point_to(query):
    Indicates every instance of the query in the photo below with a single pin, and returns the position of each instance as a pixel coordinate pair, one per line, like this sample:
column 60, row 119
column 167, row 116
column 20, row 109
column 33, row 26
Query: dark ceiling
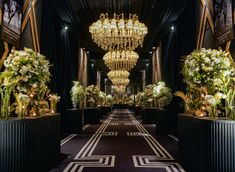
column 157, row 15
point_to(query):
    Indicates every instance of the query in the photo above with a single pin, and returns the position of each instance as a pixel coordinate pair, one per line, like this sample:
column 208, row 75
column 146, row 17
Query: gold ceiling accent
column 118, row 33
column 120, row 60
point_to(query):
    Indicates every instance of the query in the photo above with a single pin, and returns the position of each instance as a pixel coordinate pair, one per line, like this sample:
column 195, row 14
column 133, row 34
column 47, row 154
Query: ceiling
column 158, row 15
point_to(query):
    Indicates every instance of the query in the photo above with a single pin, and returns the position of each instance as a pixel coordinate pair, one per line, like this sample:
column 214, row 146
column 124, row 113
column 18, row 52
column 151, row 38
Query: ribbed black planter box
column 91, row 116
column 138, row 111
column 206, row 145
column 158, row 117
column 74, row 120
column 29, row 145
column 104, row 111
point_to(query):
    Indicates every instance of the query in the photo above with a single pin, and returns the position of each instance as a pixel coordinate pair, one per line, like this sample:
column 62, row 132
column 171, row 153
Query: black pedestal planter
column 91, row 116
column 158, row 117
column 104, row 111
column 29, row 145
column 138, row 111
column 74, row 120
column 206, row 145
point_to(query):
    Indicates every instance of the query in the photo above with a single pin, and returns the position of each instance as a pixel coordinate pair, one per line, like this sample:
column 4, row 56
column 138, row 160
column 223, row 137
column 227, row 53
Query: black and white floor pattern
column 120, row 143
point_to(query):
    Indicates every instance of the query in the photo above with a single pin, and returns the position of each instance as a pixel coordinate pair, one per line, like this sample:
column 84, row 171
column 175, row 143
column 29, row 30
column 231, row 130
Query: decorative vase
column 53, row 107
column 5, row 102
column 74, row 105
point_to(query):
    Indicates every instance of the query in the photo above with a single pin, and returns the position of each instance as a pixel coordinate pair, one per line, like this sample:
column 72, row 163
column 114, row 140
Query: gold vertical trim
column 0, row 15
column 200, row 28
column 4, row 54
column 26, row 3
column 35, row 26
column 228, row 46
column 211, row 23
column 25, row 20
column 32, row 31
column 203, row 32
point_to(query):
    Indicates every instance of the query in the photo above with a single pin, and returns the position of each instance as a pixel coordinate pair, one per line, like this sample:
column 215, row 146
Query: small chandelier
column 120, row 60
column 118, row 33
column 120, row 81
column 118, row 74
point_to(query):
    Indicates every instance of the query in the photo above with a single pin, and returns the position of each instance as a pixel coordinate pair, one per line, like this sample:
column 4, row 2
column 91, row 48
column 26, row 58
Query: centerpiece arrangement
column 25, row 79
column 209, row 76
column 92, row 95
column 77, row 93
column 208, row 124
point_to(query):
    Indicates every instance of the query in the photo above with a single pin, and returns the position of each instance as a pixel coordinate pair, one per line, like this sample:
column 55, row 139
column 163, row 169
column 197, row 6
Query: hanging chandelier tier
column 120, row 89
column 120, row 60
column 118, row 74
column 118, row 33
column 120, row 81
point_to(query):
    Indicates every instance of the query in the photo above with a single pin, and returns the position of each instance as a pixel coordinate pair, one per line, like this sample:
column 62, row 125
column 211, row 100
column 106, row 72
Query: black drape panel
column 176, row 44
column 60, row 47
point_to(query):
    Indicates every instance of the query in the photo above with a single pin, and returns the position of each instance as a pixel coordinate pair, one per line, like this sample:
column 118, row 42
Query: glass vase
column 74, row 105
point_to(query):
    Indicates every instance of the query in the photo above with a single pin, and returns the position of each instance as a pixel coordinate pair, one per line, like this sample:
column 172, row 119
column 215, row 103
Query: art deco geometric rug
column 120, row 144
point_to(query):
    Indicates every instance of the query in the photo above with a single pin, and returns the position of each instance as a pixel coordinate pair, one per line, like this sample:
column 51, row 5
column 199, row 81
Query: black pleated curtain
column 61, row 48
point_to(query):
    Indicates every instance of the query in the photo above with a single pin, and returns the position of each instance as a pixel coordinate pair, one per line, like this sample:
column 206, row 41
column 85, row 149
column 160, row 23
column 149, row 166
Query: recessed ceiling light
column 172, row 28
column 150, row 52
column 154, row 48
column 66, row 27
column 88, row 52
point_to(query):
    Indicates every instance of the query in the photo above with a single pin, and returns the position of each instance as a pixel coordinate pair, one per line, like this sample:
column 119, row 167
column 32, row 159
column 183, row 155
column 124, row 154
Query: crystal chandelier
column 120, row 60
column 118, row 33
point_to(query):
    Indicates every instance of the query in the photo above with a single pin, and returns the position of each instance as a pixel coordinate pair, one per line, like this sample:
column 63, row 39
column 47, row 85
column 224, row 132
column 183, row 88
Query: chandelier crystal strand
column 118, row 33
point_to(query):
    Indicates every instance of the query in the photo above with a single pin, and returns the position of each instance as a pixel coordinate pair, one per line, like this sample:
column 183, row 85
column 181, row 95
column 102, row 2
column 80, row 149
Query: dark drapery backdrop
column 178, row 43
column 61, row 49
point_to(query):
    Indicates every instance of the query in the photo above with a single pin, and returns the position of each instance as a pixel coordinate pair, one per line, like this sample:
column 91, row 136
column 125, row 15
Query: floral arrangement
column 54, row 99
column 162, row 94
column 92, row 94
column 141, row 99
column 25, row 76
column 77, row 93
column 102, row 98
column 209, row 76
column 149, row 94
column 109, row 100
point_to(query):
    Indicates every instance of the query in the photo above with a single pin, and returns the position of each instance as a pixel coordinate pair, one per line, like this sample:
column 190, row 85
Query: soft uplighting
column 120, row 60
column 118, row 33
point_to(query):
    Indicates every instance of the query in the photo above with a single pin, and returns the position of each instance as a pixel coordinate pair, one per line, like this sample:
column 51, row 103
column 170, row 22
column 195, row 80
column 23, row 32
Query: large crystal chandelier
column 120, row 60
column 118, row 33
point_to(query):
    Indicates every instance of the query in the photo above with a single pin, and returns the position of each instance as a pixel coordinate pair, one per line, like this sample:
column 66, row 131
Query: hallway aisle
column 119, row 144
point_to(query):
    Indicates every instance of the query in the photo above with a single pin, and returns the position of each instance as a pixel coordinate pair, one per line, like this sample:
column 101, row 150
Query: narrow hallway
column 120, row 143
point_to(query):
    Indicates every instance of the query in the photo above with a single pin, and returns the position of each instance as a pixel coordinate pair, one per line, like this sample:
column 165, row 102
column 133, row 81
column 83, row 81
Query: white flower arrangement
column 27, row 73
column 29, row 68
column 209, row 76
column 77, row 93
column 92, row 94
column 162, row 94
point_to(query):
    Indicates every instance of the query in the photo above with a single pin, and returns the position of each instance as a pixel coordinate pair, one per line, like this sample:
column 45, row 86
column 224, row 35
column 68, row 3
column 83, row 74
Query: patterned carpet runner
column 120, row 144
